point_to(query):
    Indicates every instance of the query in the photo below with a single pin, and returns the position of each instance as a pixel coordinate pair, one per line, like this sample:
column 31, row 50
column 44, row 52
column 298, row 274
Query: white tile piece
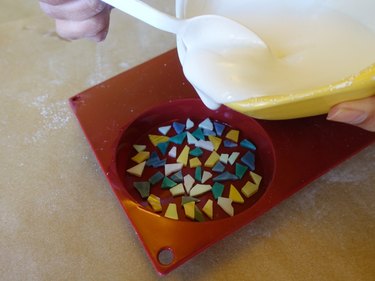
column 188, row 182
column 206, row 124
column 207, row 145
column 233, row 157
column 164, row 130
column 190, row 138
column 172, row 168
column 206, row 176
column 173, row 152
column 200, row 189
column 224, row 158
column 189, row 124
column 139, row 147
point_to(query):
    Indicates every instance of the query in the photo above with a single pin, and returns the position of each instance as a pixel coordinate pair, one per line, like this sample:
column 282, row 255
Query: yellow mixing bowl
column 310, row 102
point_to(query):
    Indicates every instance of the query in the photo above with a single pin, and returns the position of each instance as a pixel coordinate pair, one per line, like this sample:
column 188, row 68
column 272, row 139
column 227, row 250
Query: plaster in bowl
column 321, row 54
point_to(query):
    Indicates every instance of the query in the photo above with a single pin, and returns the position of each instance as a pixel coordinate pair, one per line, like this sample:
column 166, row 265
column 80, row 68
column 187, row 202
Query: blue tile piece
column 249, row 160
column 163, row 146
column 159, row 163
column 219, row 128
column 247, row 144
column 226, row 176
column 228, row 143
column 198, row 134
column 154, row 179
column 219, row 167
column 178, row 127
column 154, row 157
column 208, row 132
column 177, row 177
column 178, row 139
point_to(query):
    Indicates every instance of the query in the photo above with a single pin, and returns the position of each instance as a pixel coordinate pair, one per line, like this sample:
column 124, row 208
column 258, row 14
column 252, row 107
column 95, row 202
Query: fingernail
column 350, row 116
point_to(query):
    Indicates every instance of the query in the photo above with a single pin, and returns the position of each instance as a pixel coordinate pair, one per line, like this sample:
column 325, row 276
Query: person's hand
column 77, row 19
column 360, row 113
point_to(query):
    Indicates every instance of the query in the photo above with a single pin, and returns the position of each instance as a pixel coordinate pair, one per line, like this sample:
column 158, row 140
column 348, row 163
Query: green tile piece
column 197, row 152
column 187, row 199
column 198, row 214
column 217, row 190
column 198, row 174
column 198, row 134
column 240, row 170
column 167, row 183
column 248, row 144
column 226, row 176
column 143, row 187
column 177, row 177
column 158, row 176
column 178, row 139
column 163, row 146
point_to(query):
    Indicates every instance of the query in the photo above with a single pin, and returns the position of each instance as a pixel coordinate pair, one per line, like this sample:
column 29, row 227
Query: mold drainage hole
column 165, row 256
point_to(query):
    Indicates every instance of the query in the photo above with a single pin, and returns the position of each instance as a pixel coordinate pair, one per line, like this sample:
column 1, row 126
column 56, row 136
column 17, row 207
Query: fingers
column 74, row 10
column 95, row 27
column 77, row 19
column 360, row 113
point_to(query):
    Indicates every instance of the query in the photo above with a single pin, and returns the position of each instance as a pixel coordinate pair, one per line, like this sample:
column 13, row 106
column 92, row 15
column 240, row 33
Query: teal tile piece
column 240, row 170
column 168, row 183
column 249, row 160
column 219, row 128
column 206, row 124
column 178, row 139
column 143, row 187
column 163, row 146
column 154, row 179
column 219, row 167
column 198, row 134
column 248, row 144
column 198, row 174
column 177, row 177
column 178, row 127
column 197, row 152
column 226, row 176
column 217, row 190
column 230, row 144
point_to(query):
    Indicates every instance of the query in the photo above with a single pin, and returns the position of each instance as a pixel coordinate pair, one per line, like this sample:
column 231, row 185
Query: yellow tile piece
column 212, row 159
column 171, row 211
column 137, row 170
column 249, row 189
column 156, row 139
column 141, row 156
column 235, row 195
column 154, row 202
column 177, row 190
column 226, row 205
column 195, row 162
column 199, row 189
column 215, row 141
column 233, row 135
column 189, row 209
column 256, row 178
column 139, row 147
column 208, row 208
column 184, row 156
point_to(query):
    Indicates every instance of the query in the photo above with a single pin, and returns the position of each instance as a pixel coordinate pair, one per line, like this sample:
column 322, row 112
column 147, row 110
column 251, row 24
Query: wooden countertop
column 59, row 219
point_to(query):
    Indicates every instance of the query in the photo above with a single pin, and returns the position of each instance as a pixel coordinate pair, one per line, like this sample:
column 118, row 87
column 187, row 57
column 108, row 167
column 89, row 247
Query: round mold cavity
column 138, row 131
